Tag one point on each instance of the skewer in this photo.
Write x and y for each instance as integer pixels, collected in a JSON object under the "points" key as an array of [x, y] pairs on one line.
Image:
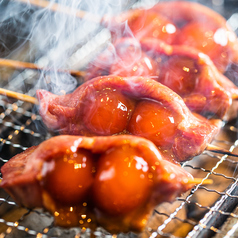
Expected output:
{"points": [[25, 65], [19, 96], [198, 181], [220, 150], [63, 9], [27, 98], [55, 7], [189, 181]]}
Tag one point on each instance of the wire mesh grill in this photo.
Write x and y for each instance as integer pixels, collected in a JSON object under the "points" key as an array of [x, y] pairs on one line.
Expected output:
{"points": [[205, 211], [201, 212]]}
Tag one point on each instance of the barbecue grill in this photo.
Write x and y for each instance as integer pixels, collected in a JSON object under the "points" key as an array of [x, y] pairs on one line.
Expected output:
{"points": [[205, 211]]}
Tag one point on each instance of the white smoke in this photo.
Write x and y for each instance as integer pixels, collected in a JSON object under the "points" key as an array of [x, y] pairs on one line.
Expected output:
{"points": [[52, 34], [58, 35]]}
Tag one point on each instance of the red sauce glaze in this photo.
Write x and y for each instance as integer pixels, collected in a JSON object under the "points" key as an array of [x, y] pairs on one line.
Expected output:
{"points": [[179, 74], [107, 112], [124, 59], [151, 24], [68, 178], [131, 66], [213, 41], [122, 182], [140, 106], [152, 120], [113, 182]]}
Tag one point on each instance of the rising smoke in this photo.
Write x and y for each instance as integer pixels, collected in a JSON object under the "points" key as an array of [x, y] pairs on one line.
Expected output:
{"points": [[51, 35]]}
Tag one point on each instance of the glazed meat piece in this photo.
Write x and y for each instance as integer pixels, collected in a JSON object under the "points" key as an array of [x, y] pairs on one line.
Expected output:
{"points": [[190, 24], [140, 106], [125, 58], [114, 181], [193, 76], [185, 70], [141, 23], [202, 28]]}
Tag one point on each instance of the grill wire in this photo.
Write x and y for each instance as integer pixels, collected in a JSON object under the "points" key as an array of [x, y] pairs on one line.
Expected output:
{"points": [[205, 211]]}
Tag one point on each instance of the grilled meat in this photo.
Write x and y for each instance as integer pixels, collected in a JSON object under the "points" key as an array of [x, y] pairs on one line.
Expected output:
{"points": [[139, 106], [113, 181]]}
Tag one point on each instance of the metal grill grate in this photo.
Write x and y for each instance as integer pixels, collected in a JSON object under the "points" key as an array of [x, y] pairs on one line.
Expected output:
{"points": [[200, 213], [205, 211]]}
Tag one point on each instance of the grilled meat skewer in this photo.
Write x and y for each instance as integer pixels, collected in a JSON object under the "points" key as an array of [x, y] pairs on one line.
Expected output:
{"points": [[34, 100], [185, 70], [191, 24], [113, 105], [113, 181]]}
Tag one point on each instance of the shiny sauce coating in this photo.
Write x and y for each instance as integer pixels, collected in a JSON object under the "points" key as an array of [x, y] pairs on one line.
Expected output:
{"points": [[154, 121], [119, 172], [110, 112], [179, 74], [151, 24], [208, 39], [68, 177], [132, 65], [81, 188], [107, 112]]}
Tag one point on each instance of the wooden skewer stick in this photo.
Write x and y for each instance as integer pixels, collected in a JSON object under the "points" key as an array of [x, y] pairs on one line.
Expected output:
{"points": [[19, 96], [55, 7], [189, 181], [198, 181], [220, 150], [25, 65], [63, 9]]}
